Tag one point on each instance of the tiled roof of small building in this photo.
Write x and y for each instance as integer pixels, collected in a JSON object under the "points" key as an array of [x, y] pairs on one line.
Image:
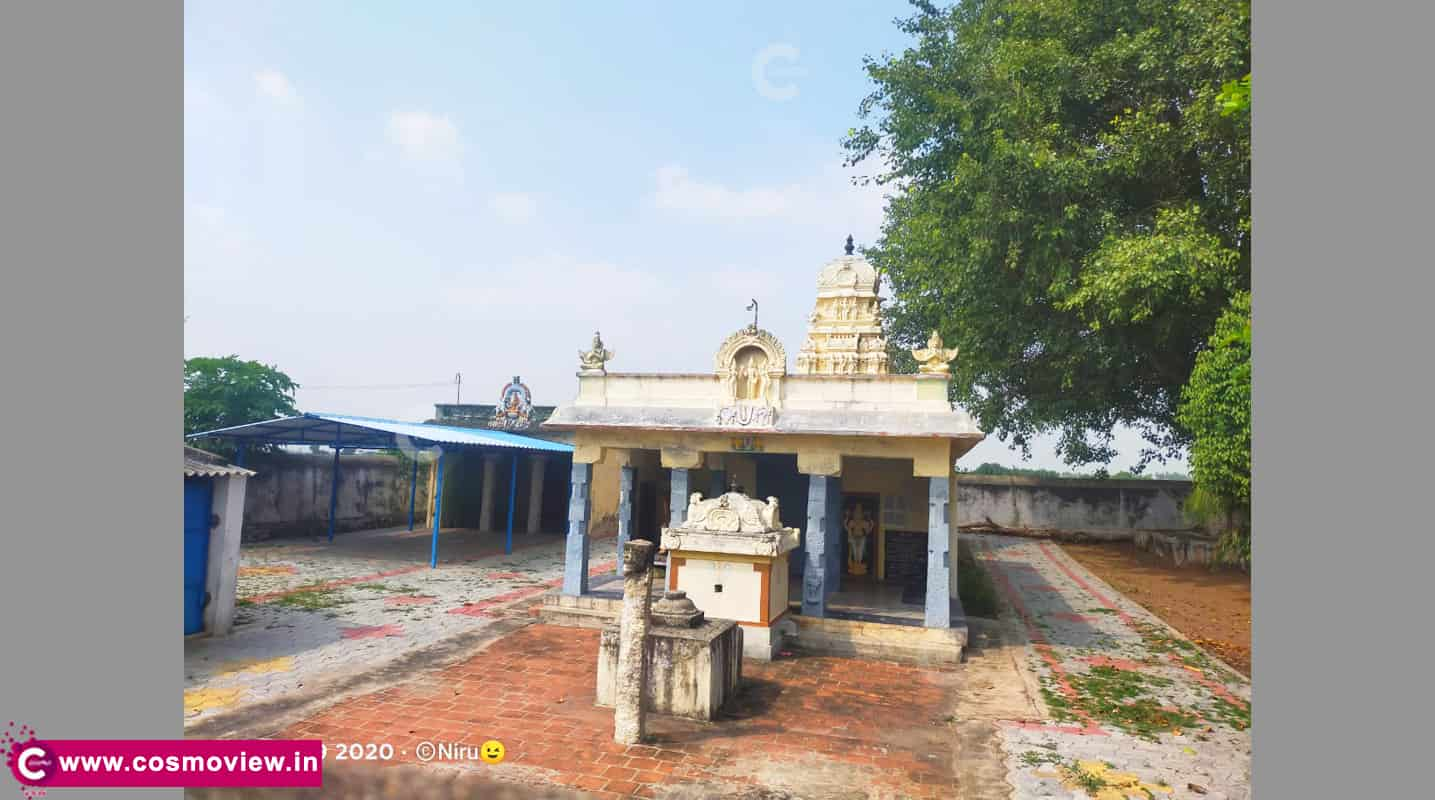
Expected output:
{"points": [[201, 464]]}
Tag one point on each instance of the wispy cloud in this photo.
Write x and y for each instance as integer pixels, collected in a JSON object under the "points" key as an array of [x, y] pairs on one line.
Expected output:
{"points": [[823, 198], [424, 137], [514, 208], [273, 84], [678, 190]]}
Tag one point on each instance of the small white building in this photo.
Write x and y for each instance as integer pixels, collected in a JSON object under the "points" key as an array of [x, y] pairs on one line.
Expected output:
{"points": [[213, 516]]}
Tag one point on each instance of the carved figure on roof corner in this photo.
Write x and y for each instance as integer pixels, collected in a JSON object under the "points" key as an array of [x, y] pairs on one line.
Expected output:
{"points": [[594, 360], [934, 359]]}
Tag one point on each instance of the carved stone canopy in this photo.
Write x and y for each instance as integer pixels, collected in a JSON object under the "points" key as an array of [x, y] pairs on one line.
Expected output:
{"points": [[732, 523]]}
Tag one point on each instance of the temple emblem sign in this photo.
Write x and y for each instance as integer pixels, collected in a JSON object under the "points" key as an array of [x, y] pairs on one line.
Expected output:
{"points": [[515, 407]]}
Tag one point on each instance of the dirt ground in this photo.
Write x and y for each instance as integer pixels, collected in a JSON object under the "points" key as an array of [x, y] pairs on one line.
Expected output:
{"points": [[1212, 608]]}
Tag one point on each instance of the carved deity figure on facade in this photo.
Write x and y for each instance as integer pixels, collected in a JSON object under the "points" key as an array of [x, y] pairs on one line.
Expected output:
{"points": [[859, 532], [748, 379], [934, 359], [593, 360]]}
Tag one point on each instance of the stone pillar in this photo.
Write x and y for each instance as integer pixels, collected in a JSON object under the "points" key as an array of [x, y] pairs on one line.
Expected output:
{"points": [[816, 540], [490, 483], [625, 509], [678, 511], [629, 724], [939, 560], [536, 463], [575, 559]]}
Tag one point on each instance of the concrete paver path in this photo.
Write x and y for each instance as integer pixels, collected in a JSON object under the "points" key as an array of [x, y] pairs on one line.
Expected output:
{"points": [[1131, 708]]}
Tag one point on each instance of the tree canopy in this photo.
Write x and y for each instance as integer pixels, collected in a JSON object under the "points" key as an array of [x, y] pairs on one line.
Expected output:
{"points": [[1074, 205], [219, 392]]}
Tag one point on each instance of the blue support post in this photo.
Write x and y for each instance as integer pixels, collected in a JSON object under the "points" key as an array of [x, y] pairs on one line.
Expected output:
{"points": [[816, 541], [437, 513], [413, 490], [939, 556], [625, 510], [240, 454], [575, 558], [678, 498], [835, 532], [512, 500], [334, 487]]}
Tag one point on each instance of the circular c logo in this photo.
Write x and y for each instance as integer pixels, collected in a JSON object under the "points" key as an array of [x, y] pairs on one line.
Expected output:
{"points": [[34, 764], [761, 78]]}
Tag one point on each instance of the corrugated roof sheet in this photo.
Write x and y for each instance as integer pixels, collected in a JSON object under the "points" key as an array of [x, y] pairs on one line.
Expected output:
{"points": [[375, 433], [200, 464]]}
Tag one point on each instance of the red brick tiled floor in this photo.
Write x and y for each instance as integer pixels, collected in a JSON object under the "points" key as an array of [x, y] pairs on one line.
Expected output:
{"points": [[812, 726]]}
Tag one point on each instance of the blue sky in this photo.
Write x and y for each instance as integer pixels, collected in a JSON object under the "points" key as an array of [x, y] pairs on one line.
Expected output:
{"points": [[384, 195]]}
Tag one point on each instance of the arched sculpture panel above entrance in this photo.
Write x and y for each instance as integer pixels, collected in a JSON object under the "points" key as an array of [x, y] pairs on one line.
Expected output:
{"points": [[751, 364]]}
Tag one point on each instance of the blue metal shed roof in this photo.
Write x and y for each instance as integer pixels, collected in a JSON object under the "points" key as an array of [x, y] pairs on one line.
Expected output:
{"points": [[373, 433]]}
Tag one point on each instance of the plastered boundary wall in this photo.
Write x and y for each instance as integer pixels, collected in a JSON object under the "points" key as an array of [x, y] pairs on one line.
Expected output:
{"points": [[1074, 508], [289, 494]]}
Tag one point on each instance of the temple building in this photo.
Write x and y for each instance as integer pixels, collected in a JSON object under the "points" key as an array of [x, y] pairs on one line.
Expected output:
{"points": [[479, 488], [860, 460]]}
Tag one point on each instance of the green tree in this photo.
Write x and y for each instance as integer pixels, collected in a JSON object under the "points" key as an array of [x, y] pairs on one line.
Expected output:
{"points": [[1074, 207], [1216, 408], [220, 392]]}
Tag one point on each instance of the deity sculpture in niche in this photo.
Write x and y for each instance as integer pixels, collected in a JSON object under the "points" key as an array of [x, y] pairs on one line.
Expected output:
{"points": [[750, 366], [859, 528]]}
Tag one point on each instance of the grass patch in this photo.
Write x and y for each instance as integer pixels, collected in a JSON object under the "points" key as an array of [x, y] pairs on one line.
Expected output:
{"points": [[386, 587], [312, 599], [974, 585], [1119, 698], [243, 602]]}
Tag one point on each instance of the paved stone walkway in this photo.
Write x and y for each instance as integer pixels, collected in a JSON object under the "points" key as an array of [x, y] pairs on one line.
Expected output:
{"points": [[1132, 708], [311, 612]]}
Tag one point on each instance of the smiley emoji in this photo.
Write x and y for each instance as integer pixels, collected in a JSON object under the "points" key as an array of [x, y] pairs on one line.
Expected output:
{"points": [[491, 751]]}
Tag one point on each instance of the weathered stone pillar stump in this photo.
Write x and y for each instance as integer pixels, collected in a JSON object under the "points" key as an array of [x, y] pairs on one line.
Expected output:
{"points": [[628, 723]]}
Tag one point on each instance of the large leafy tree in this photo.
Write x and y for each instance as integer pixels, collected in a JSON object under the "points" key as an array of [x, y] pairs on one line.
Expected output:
{"points": [[219, 392], [1074, 211], [1216, 408]]}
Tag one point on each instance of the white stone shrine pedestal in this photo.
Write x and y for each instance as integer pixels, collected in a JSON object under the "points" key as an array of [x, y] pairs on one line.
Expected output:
{"points": [[730, 557]]}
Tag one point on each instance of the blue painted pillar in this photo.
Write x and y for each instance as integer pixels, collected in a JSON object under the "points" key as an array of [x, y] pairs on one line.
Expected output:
{"points": [[512, 500], [575, 559], [334, 487], [437, 511], [241, 454], [835, 533], [939, 557], [625, 511], [413, 490], [678, 499], [816, 540]]}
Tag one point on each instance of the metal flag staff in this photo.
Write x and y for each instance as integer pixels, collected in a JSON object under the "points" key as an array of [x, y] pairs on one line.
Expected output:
{"points": [[753, 308]]}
